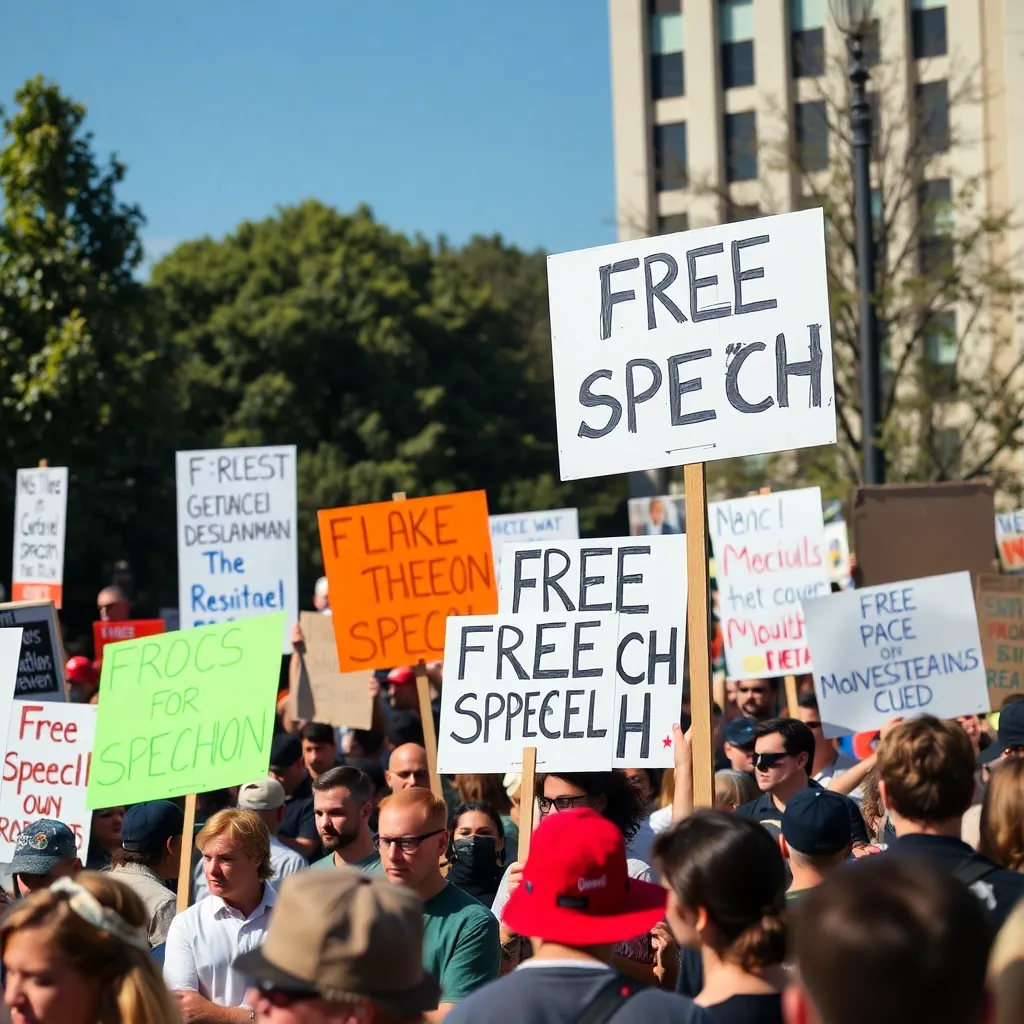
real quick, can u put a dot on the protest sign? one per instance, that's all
(1010, 540)
(104, 633)
(40, 516)
(517, 680)
(46, 770)
(1001, 622)
(237, 530)
(643, 582)
(41, 663)
(704, 345)
(908, 531)
(651, 517)
(770, 556)
(398, 569)
(531, 527)
(11, 646)
(906, 648)
(186, 712)
(319, 691)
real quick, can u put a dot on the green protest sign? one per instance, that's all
(185, 712)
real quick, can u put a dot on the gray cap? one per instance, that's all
(262, 795)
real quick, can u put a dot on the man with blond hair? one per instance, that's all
(460, 936)
(203, 942)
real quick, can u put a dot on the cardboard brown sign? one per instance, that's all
(908, 531)
(1001, 622)
(320, 692)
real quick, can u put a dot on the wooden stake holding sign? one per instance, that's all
(792, 698)
(187, 845)
(527, 801)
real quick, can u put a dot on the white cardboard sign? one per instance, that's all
(513, 681)
(703, 345)
(237, 535)
(907, 649)
(642, 581)
(532, 528)
(46, 769)
(770, 555)
(40, 520)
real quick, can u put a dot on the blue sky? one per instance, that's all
(446, 116)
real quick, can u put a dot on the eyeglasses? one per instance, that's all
(282, 998)
(407, 844)
(560, 803)
(765, 762)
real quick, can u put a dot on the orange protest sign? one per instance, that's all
(104, 633)
(397, 569)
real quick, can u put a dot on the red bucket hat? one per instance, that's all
(576, 889)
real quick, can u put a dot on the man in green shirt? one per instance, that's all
(342, 808)
(460, 936)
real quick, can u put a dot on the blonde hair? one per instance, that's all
(733, 788)
(1002, 816)
(435, 809)
(1006, 969)
(247, 830)
(131, 988)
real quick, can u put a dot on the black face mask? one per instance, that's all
(474, 867)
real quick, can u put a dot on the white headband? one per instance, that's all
(105, 919)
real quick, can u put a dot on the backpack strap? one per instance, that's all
(973, 869)
(607, 1000)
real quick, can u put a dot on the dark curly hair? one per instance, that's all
(624, 805)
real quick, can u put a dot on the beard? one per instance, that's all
(338, 840)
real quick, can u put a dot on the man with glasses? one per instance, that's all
(113, 605)
(460, 935)
(757, 698)
(828, 763)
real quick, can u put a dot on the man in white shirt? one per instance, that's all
(203, 942)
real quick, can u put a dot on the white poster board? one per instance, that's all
(10, 654)
(237, 535)
(1010, 540)
(513, 681)
(906, 649)
(40, 520)
(642, 580)
(532, 528)
(691, 347)
(770, 555)
(46, 769)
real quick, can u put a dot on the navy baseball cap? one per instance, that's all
(1010, 733)
(285, 750)
(739, 732)
(42, 846)
(817, 822)
(148, 826)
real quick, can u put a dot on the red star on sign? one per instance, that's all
(667, 741)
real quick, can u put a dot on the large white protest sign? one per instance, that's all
(531, 528)
(11, 638)
(770, 555)
(1010, 540)
(46, 769)
(643, 582)
(237, 530)
(40, 517)
(513, 681)
(708, 344)
(905, 649)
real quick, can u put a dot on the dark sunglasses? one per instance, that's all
(408, 844)
(765, 762)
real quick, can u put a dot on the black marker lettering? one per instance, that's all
(623, 675)
(540, 649)
(632, 398)
(623, 580)
(696, 283)
(591, 581)
(657, 291)
(643, 727)
(591, 401)
(465, 648)
(753, 274)
(732, 385)
(519, 584)
(809, 368)
(567, 733)
(654, 659)
(460, 709)
(578, 647)
(677, 389)
(506, 652)
(551, 579)
(608, 297)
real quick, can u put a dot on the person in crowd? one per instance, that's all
(492, 790)
(266, 798)
(1009, 745)
(78, 953)
(828, 762)
(342, 947)
(733, 789)
(43, 852)
(378, 784)
(876, 819)
(113, 604)
(783, 757)
(361, 744)
(815, 838)
(407, 768)
(726, 886)
(104, 837)
(1001, 833)
(203, 941)
(321, 596)
(319, 748)
(971, 724)
(150, 854)
(758, 698)
(648, 781)
(342, 805)
(889, 941)
(401, 687)
(298, 827)
(577, 903)
(82, 679)
(476, 854)
(1006, 970)
(926, 781)
(738, 744)
(460, 937)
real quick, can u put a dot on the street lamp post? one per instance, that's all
(854, 19)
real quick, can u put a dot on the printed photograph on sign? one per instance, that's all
(770, 556)
(692, 347)
(532, 527)
(641, 580)
(1001, 622)
(1010, 540)
(658, 516)
(514, 681)
(907, 649)
(237, 535)
(40, 518)
(397, 569)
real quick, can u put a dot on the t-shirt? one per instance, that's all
(299, 821)
(764, 811)
(370, 864)
(748, 1009)
(556, 993)
(461, 945)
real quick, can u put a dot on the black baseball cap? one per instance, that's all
(1010, 733)
(148, 826)
(41, 846)
(739, 732)
(285, 750)
(817, 822)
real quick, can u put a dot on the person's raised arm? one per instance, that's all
(682, 755)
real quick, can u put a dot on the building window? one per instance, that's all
(933, 117)
(935, 208)
(736, 34)
(941, 348)
(741, 146)
(928, 28)
(735, 212)
(670, 156)
(812, 136)
(673, 222)
(946, 447)
(667, 52)
(807, 39)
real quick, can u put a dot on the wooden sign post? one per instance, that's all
(527, 801)
(792, 698)
(187, 846)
